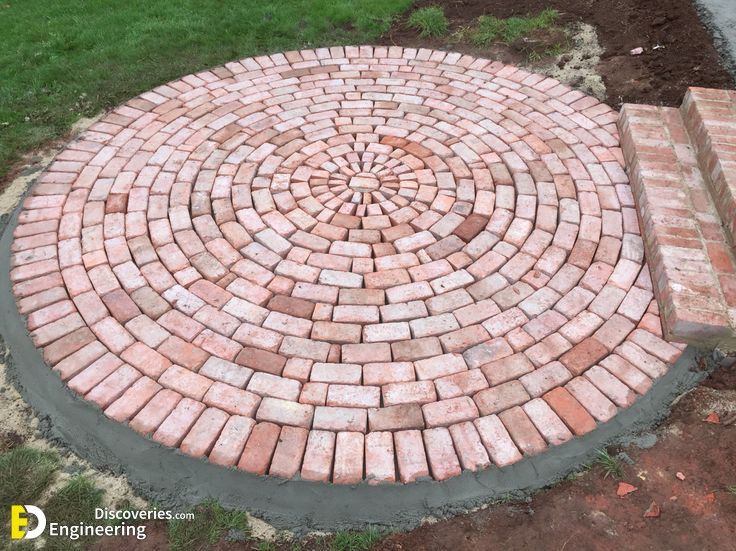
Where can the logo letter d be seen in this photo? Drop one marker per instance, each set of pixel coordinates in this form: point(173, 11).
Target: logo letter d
point(19, 522)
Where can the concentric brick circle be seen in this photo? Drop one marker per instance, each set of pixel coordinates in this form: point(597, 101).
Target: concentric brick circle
point(346, 264)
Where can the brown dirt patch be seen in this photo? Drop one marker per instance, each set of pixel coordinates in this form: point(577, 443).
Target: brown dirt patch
point(687, 58)
point(696, 513)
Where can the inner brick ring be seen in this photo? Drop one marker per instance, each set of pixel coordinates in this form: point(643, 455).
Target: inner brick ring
point(346, 264)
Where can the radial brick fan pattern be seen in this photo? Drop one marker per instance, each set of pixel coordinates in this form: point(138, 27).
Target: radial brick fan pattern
point(346, 264)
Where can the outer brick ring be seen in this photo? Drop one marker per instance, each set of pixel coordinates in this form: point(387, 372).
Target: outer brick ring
point(346, 264)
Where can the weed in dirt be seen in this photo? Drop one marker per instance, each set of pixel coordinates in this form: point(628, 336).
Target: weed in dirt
point(73, 504)
point(211, 522)
point(611, 466)
point(429, 21)
point(265, 546)
point(24, 475)
point(731, 489)
point(356, 541)
point(492, 29)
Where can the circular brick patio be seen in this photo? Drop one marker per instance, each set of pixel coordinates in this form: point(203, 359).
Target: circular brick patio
point(346, 264)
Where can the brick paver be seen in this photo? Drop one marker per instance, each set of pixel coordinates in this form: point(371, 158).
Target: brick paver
point(683, 179)
point(346, 264)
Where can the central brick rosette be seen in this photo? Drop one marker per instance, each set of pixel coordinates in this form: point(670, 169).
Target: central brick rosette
point(351, 264)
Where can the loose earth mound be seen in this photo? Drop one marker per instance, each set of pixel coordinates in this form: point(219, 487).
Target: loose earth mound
point(346, 264)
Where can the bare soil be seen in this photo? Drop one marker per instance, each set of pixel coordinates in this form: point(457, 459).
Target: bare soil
point(697, 512)
point(685, 55)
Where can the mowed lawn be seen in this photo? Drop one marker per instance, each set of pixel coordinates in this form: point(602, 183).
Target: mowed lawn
point(64, 59)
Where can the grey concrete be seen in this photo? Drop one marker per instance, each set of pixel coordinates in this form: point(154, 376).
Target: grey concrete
point(720, 17)
point(175, 480)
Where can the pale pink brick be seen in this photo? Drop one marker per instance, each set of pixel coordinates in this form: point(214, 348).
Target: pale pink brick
point(443, 461)
point(348, 466)
point(591, 399)
point(448, 412)
point(266, 384)
point(133, 399)
point(609, 385)
point(200, 439)
point(627, 373)
point(285, 412)
point(501, 397)
point(152, 415)
point(387, 372)
point(354, 396)
point(439, 366)
point(419, 392)
point(547, 422)
point(113, 386)
point(185, 382)
point(366, 352)
point(469, 448)
point(146, 360)
point(507, 369)
point(94, 374)
point(314, 393)
point(379, 458)
point(545, 378)
point(317, 465)
point(224, 371)
point(633, 354)
point(410, 456)
point(340, 419)
point(80, 359)
point(337, 373)
point(177, 424)
point(229, 445)
point(466, 383)
point(386, 332)
point(497, 440)
point(655, 346)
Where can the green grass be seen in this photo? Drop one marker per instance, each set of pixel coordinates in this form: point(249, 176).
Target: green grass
point(356, 541)
point(64, 59)
point(24, 475)
point(429, 21)
point(74, 503)
point(492, 29)
point(731, 490)
point(611, 466)
point(211, 522)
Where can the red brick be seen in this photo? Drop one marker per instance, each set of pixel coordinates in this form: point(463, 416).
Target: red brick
point(570, 411)
point(259, 448)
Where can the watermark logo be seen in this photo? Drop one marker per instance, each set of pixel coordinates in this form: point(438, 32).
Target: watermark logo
point(19, 516)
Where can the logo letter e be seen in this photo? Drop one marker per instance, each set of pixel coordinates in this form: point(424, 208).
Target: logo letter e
point(19, 522)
